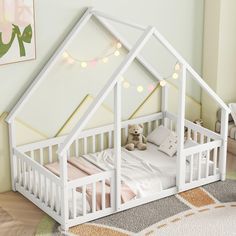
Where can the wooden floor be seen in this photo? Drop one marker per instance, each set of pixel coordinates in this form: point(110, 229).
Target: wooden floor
point(18, 216)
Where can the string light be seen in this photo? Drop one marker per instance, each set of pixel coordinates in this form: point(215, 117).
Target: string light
point(117, 53)
point(140, 89)
point(93, 62)
point(175, 75)
point(177, 66)
point(163, 83)
point(105, 59)
point(83, 64)
point(118, 45)
point(126, 84)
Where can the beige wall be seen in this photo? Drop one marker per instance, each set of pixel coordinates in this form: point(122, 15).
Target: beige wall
point(181, 22)
point(219, 55)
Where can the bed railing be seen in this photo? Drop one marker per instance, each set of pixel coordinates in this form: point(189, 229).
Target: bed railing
point(201, 163)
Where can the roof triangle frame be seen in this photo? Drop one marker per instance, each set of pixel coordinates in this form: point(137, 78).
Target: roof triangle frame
point(133, 54)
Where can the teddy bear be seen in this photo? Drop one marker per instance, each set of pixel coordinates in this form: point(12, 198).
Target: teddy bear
point(136, 139)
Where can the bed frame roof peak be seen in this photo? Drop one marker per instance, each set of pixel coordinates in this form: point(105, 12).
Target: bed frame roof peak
point(133, 54)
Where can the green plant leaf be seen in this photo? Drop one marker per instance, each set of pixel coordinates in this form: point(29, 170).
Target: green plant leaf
point(27, 34)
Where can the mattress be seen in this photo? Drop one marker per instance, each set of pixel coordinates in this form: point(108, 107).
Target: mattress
point(149, 171)
point(231, 129)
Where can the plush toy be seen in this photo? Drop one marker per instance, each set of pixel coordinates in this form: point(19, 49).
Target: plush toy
point(136, 139)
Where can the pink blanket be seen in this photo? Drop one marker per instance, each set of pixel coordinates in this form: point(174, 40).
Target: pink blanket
point(78, 168)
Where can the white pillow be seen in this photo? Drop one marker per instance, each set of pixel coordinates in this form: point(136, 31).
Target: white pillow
point(232, 107)
point(169, 146)
point(158, 135)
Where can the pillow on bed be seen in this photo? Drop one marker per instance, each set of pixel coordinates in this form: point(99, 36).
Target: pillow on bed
point(169, 146)
point(158, 135)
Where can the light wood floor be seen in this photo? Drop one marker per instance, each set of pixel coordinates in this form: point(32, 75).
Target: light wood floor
point(18, 216)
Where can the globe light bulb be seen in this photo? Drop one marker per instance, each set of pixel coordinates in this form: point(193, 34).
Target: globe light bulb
point(150, 88)
point(105, 59)
point(116, 53)
point(83, 64)
point(65, 55)
point(122, 79)
point(118, 45)
point(175, 75)
point(70, 60)
point(126, 84)
point(163, 83)
point(177, 66)
point(140, 89)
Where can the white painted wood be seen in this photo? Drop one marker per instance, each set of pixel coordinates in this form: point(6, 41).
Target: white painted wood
point(50, 154)
point(195, 127)
point(84, 200)
point(42, 75)
point(164, 102)
point(103, 195)
point(64, 189)
point(215, 160)
point(12, 145)
point(223, 149)
point(191, 168)
point(93, 143)
point(41, 156)
point(203, 147)
point(117, 141)
point(85, 146)
point(74, 202)
point(199, 165)
point(93, 196)
point(102, 141)
point(128, 46)
point(104, 15)
point(180, 178)
point(77, 147)
point(107, 88)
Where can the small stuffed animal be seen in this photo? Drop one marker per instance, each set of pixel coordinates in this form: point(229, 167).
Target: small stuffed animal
point(136, 139)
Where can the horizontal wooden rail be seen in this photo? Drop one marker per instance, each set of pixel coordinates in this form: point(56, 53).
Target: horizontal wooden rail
point(202, 147)
point(94, 131)
point(195, 127)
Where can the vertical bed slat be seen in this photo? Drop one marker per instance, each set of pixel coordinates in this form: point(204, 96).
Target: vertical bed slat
point(35, 183)
point(94, 197)
point(84, 199)
point(201, 139)
point(199, 165)
point(103, 195)
point(195, 136)
point(57, 198)
point(52, 202)
point(41, 156)
point(191, 168)
point(74, 203)
point(85, 145)
point(77, 147)
point(19, 170)
point(102, 141)
point(207, 159)
point(214, 160)
point(46, 191)
point(189, 134)
point(110, 139)
point(50, 154)
point(32, 154)
point(93, 143)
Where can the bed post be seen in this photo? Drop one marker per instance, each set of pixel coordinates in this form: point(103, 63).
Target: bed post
point(117, 141)
point(12, 145)
point(223, 148)
point(164, 103)
point(180, 178)
point(64, 191)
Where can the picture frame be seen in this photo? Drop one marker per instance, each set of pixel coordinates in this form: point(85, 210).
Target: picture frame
point(17, 31)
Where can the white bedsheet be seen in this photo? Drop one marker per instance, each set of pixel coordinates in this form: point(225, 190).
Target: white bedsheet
point(148, 171)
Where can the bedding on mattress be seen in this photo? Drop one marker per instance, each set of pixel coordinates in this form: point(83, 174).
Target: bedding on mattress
point(78, 168)
point(146, 172)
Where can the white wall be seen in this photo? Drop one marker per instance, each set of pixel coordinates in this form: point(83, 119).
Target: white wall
point(219, 55)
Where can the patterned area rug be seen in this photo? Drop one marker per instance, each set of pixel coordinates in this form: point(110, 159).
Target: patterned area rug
point(208, 210)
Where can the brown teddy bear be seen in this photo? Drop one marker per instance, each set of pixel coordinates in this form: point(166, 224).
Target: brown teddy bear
point(136, 139)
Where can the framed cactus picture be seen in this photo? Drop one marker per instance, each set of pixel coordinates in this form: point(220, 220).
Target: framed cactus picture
point(17, 33)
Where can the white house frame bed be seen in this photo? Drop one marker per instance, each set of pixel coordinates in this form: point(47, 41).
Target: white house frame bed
point(70, 200)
